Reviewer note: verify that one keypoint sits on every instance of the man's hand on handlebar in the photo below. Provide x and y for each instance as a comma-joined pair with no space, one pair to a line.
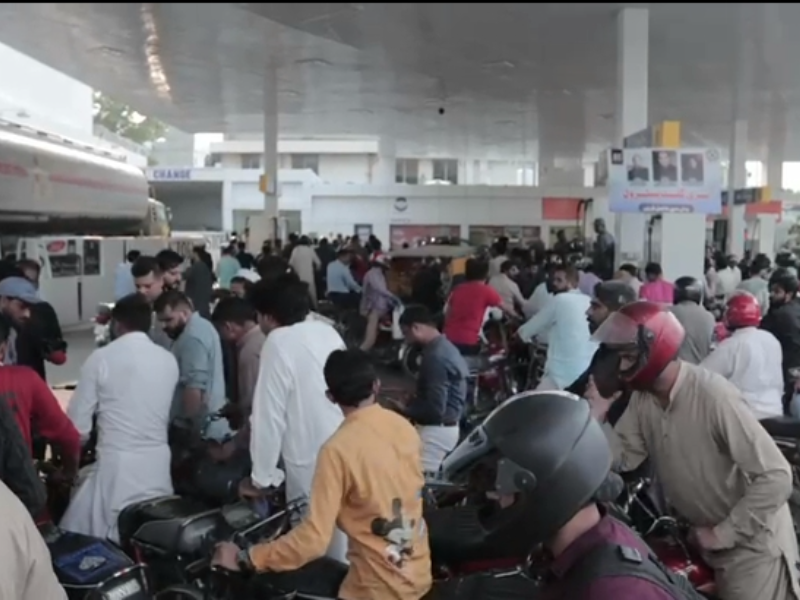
226,556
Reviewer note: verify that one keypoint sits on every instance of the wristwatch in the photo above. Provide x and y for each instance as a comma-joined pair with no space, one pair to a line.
243,560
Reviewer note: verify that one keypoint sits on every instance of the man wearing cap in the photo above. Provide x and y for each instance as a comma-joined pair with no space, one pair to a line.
17,294
609,297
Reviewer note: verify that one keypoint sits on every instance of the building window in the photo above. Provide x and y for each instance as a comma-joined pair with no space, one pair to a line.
446,169
251,161
407,171
306,161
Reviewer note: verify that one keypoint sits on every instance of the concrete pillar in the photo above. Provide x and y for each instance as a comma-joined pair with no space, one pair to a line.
271,189
633,55
386,166
774,169
562,139
737,179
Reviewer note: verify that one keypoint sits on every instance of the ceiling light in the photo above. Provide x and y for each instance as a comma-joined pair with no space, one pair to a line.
313,62
289,93
499,65
361,111
506,122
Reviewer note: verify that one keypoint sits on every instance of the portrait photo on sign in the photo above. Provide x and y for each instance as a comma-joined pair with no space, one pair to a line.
665,167
638,168
692,167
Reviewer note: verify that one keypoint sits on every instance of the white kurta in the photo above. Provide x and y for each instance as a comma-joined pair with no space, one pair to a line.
129,384
751,360
304,261
292,417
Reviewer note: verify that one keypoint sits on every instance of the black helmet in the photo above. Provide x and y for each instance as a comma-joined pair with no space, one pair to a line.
687,289
547,450
785,279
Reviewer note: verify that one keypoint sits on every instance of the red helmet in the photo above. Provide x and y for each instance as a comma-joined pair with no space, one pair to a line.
742,310
380,258
648,329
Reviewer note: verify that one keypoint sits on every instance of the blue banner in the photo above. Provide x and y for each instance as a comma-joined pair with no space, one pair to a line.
665,180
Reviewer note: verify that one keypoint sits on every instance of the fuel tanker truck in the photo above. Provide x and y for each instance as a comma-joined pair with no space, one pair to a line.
50,185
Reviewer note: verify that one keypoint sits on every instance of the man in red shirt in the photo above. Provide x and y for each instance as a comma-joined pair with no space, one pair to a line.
467,305
35,407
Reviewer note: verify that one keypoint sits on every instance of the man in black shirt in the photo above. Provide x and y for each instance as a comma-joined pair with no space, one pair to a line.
609,297
783,321
441,393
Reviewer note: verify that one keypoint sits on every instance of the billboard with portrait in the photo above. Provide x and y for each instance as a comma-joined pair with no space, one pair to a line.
665,180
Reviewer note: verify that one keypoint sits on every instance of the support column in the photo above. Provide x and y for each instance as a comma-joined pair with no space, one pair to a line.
749,17
271,189
774,169
562,138
386,166
737,179
633,55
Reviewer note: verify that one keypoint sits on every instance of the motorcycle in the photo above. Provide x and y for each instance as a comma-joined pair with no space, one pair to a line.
468,552
786,433
318,580
88,568
174,536
102,322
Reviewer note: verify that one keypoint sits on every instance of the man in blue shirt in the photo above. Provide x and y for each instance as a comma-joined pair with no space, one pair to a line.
197,347
441,394
343,290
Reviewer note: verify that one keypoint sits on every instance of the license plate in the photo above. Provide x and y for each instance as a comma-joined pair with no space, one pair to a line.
123,591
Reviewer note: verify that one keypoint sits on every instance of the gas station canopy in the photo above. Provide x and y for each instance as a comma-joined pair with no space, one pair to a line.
498,72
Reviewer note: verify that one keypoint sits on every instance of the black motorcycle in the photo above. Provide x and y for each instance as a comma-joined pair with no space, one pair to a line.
89,568
318,580
786,433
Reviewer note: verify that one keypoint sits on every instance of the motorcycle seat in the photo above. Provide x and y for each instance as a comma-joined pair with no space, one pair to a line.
181,535
782,427
133,516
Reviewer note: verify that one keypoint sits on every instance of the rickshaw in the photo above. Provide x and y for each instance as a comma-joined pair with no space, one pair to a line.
407,262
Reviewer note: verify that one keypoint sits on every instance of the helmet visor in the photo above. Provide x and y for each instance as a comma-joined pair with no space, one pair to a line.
475,448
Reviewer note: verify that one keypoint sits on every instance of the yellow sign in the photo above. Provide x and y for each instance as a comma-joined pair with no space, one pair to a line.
667,134
263,184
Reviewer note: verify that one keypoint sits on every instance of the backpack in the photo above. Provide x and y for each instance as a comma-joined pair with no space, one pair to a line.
613,560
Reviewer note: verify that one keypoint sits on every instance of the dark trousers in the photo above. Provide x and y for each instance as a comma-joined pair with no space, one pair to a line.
469,349
345,301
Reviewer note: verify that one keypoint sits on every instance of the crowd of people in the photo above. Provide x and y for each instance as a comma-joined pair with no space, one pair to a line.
636,370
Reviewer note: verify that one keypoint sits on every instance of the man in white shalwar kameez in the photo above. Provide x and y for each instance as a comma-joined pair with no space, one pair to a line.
128,385
291,416
305,262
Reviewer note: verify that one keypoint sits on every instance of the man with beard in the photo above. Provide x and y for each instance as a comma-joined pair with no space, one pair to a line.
170,263
609,297
719,468
150,281
783,321
201,386
563,321
17,295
